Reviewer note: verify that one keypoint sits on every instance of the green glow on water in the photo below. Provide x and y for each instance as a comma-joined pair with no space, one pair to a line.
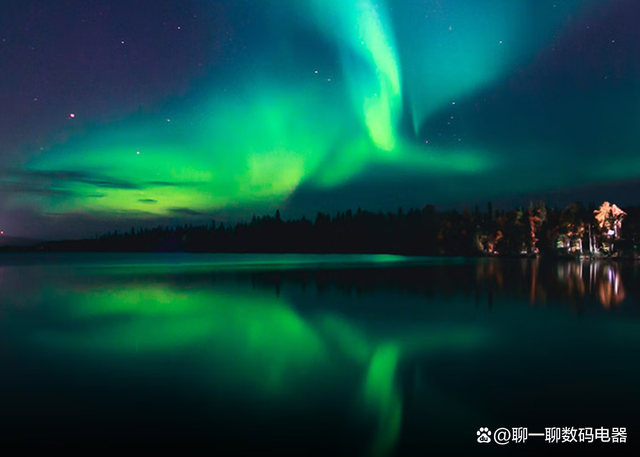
264,341
349,341
251,341
382,396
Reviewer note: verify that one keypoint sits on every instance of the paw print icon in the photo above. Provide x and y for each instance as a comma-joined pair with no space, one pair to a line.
484,435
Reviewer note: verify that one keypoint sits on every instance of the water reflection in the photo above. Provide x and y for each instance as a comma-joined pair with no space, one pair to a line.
610,288
571,282
375,342
253,344
595,279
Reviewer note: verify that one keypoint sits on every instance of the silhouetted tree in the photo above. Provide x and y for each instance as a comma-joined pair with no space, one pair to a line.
408,232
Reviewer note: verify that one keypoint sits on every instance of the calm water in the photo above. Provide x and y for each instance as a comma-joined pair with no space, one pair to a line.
350,355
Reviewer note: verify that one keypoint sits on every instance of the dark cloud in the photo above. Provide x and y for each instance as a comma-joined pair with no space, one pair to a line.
161,183
110,183
185,212
56,175
38,181
169,184
147,200
13,187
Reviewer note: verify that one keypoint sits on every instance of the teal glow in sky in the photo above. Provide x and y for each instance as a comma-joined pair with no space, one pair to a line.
218,109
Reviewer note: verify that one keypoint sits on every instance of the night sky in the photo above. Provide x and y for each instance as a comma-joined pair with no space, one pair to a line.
143,112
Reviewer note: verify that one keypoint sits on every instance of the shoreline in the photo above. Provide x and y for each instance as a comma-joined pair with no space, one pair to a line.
40,249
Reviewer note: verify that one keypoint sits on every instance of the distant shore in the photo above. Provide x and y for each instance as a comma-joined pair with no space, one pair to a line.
573,233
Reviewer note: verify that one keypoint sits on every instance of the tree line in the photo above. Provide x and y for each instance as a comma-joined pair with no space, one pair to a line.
535,230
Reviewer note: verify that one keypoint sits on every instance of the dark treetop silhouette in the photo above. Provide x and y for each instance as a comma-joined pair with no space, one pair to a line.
533,231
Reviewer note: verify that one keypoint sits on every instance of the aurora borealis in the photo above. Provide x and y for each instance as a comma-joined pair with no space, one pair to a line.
220,109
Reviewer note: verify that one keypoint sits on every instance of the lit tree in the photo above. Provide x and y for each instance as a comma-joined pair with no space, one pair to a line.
572,228
537,216
609,218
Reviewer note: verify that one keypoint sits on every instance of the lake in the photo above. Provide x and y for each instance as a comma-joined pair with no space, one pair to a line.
344,355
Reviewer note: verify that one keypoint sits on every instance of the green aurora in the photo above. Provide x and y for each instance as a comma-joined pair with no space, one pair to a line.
267,125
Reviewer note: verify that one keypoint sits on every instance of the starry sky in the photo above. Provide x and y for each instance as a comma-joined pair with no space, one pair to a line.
143,112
